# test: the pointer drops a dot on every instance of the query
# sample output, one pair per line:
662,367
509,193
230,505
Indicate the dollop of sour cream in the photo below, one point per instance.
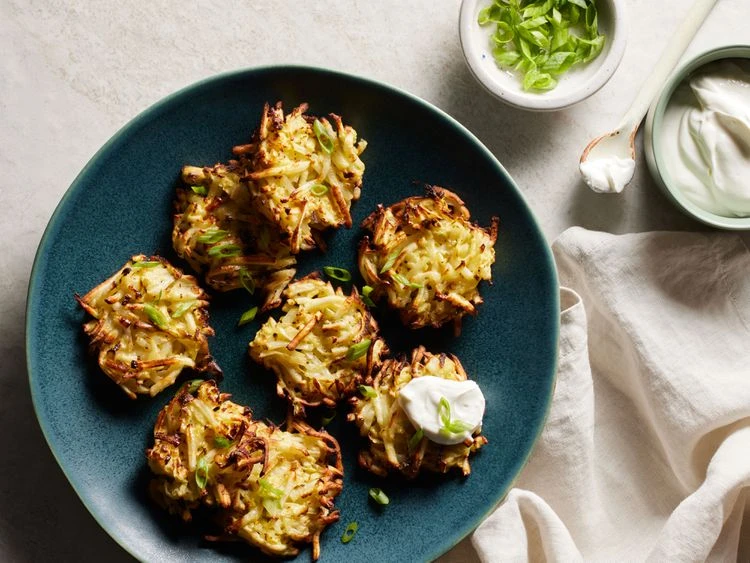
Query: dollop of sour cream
607,173
420,400
706,138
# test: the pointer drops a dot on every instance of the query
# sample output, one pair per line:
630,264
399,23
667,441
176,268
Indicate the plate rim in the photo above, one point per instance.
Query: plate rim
142,117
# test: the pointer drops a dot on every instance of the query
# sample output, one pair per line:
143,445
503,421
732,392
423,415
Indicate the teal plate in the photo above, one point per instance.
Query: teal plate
120,205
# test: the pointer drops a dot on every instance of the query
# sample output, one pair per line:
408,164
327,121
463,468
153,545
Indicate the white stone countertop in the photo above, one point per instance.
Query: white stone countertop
73,73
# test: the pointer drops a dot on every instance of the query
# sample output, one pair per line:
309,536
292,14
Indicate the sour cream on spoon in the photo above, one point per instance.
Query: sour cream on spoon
424,401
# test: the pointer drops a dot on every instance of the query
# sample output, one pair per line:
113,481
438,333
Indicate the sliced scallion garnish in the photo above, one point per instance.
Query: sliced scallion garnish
201,473
268,490
248,316
456,427
247,281
212,236
200,190
358,350
415,439
366,299
367,391
405,282
324,138
444,411
319,190
448,425
146,264
379,496
222,441
182,309
326,419
351,529
389,261
156,316
225,250
194,385
542,39
338,274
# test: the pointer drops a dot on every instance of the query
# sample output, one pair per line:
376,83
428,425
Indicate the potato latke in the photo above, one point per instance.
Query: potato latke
393,444
150,322
319,349
273,488
427,258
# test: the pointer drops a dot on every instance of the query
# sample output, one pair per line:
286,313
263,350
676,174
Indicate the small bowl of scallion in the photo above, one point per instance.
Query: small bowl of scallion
542,55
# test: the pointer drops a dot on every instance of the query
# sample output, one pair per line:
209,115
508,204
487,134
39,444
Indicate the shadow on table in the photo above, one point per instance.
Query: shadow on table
41,515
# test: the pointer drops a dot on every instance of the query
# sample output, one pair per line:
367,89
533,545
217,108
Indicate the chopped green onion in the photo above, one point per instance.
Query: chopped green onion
146,264
448,425
367,391
358,350
194,385
247,281
338,274
323,137
201,473
456,427
200,190
225,250
389,261
156,316
213,235
326,420
415,439
271,496
379,496
351,529
444,411
319,189
366,299
542,39
268,490
182,309
222,441
248,316
403,281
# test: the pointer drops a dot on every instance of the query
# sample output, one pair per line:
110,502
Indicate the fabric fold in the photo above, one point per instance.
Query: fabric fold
646,451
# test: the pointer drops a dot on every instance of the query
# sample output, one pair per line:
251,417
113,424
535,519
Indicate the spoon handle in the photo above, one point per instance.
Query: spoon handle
672,53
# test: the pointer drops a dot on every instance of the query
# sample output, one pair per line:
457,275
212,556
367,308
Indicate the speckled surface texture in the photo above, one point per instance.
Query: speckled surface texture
73,75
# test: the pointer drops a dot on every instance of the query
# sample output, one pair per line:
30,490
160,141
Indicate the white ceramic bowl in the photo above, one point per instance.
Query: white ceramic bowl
574,86
654,140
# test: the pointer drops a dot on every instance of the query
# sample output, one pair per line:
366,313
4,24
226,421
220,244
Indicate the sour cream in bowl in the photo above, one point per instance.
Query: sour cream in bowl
698,138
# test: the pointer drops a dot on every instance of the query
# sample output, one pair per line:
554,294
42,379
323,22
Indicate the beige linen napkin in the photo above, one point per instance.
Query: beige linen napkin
645,455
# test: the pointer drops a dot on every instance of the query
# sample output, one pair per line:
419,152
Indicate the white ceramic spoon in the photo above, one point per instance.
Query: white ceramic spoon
608,162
